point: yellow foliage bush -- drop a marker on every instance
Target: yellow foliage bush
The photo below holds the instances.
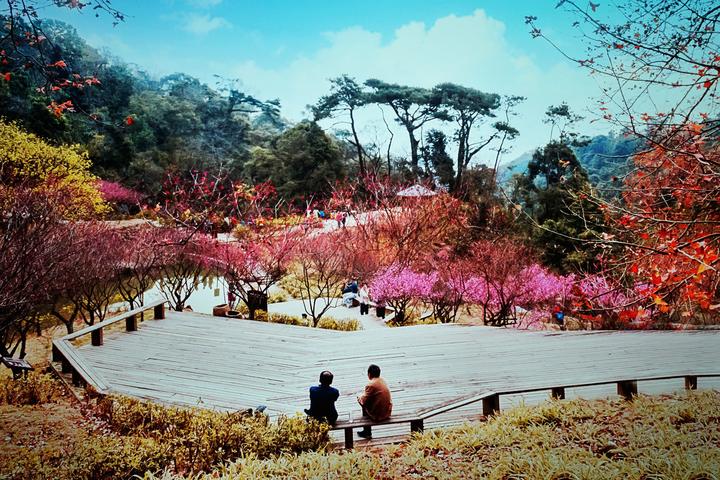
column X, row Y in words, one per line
column 199, row 439
column 32, row 389
column 343, row 325
column 91, row 457
column 27, row 159
column 663, row 437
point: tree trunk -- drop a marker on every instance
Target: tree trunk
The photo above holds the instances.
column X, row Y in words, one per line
column 460, row 160
column 414, row 144
column 361, row 159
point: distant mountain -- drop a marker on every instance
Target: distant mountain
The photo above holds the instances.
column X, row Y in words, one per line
column 516, row 166
column 605, row 157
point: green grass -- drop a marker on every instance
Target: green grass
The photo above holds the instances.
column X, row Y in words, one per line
column 651, row 438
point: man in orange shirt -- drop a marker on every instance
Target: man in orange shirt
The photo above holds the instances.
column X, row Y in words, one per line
column 376, row 402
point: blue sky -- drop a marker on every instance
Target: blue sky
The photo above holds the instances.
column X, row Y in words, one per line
column 289, row 49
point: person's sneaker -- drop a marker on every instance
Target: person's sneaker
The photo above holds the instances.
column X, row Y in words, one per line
column 364, row 434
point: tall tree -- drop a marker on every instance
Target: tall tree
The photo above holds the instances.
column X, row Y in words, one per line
column 413, row 108
column 346, row 97
column 310, row 161
column 435, row 154
column 468, row 107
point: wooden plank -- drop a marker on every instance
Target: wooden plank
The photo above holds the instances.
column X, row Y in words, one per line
column 428, row 368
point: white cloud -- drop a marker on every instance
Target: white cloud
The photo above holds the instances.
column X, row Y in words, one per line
column 203, row 24
column 470, row 50
column 204, row 3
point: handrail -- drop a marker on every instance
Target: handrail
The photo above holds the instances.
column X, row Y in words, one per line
column 64, row 352
column 627, row 388
column 115, row 319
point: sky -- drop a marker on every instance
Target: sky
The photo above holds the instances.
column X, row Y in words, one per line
column 289, row 50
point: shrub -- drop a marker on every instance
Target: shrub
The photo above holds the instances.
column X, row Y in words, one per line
column 199, row 439
column 652, row 437
column 346, row 325
column 292, row 284
column 277, row 297
column 32, row 389
column 287, row 319
column 91, row 457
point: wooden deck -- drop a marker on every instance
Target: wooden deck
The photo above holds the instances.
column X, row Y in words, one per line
column 195, row 359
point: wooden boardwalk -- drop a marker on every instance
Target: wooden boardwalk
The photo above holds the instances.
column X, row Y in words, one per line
column 195, row 359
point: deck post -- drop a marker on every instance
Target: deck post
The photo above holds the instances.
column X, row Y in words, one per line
column 417, row 425
column 491, row 404
column 131, row 323
column 627, row 389
column 96, row 337
column 690, row 382
column 65, row 367
column 349, row 438
column 159, row 311
column 56, row 355
column 77, row 379
column 558, row 393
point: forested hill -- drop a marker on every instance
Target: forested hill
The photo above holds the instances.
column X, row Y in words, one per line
column 133, row 126
column 604, row 157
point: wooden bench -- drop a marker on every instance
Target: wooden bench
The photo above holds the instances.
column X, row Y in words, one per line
column 18, row 366
column 415, row 419
column 626, row 388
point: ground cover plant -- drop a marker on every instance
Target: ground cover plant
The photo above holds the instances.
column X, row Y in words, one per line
column 121, row 437
column 663, row 437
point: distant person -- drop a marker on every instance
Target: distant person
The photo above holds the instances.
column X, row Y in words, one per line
column 349, row 293
column 322, row 400
column 559, row 316
column 376, row 402
column 364, row 298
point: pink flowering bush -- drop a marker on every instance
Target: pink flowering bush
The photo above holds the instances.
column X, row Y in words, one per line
column 397, row 287
column 113, row 192
column 507, row 299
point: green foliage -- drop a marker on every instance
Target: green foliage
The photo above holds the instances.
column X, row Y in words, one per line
column 310, row 160
column 32, row 389
column 176, row 120
column 608, row 159
column 674, row 437
column 554, row 194
column 436, row 156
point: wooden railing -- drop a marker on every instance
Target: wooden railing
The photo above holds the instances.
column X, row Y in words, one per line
column 64, row 352
column 626, row 388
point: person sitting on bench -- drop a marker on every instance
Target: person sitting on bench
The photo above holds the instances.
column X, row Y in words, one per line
column 322, row 400
column 376, row 402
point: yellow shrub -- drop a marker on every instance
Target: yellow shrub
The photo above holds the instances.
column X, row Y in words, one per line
column 348, row 325
column 32, row 389
column 26, row 158
column 200, row 439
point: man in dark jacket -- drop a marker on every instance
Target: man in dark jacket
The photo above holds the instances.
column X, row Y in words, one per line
column 322, row 400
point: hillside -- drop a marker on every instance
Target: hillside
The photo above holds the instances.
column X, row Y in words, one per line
column 604, row 157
